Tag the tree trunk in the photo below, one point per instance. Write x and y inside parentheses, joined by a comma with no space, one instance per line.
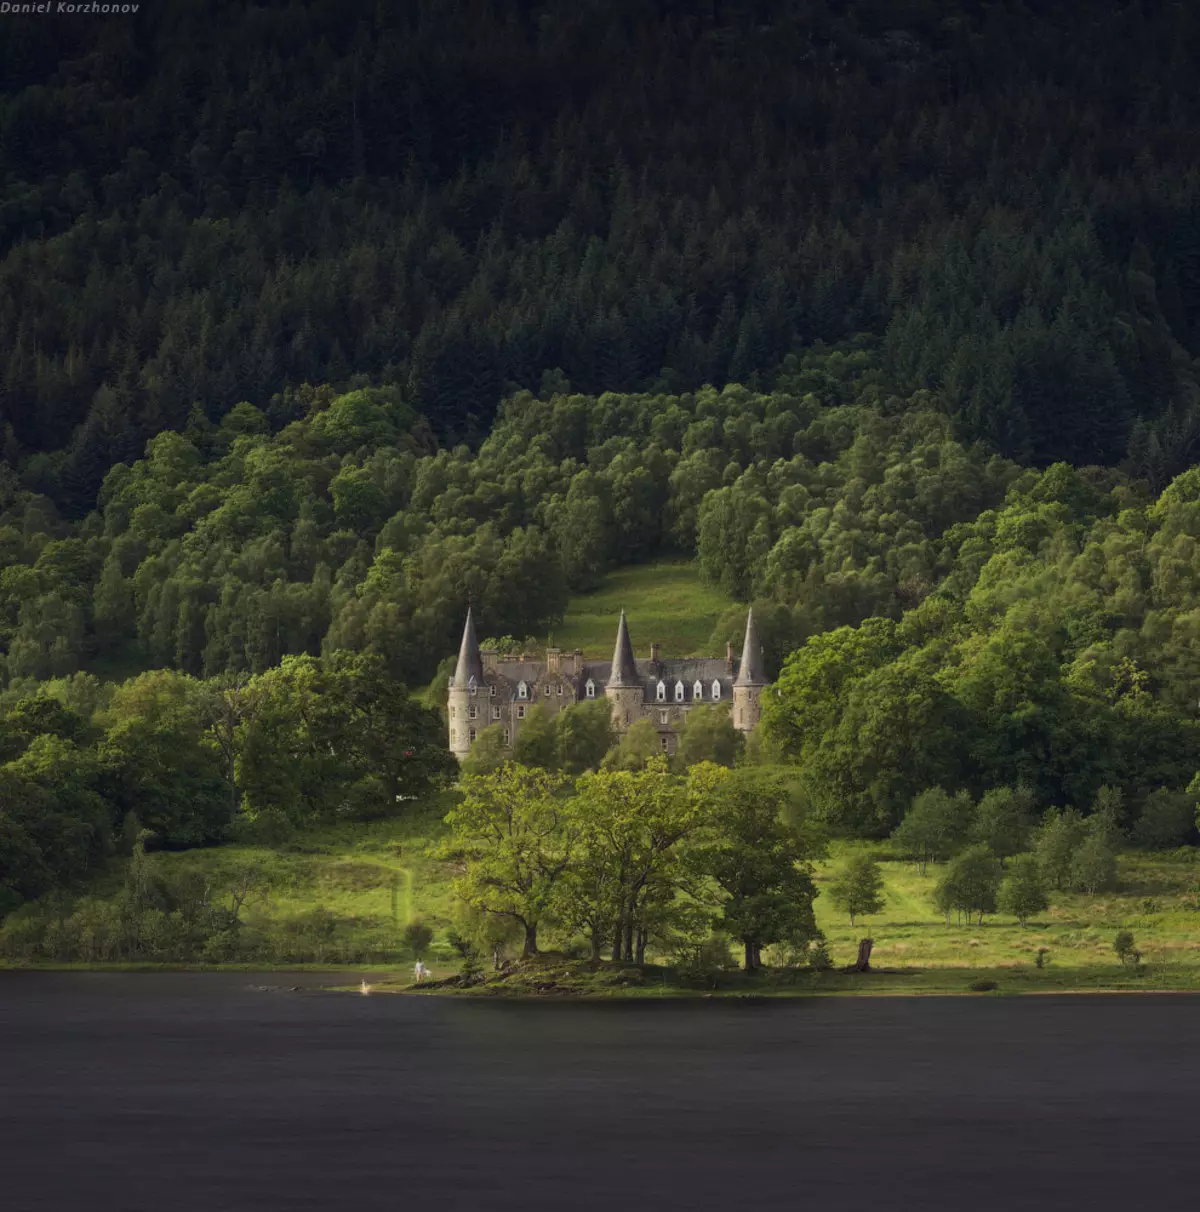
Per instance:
(748,963)
(530,947)
(863,963)
(627,949)
(641,948)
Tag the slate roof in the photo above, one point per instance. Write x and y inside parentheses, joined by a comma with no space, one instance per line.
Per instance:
(632,672)
(750,667)
(470,662)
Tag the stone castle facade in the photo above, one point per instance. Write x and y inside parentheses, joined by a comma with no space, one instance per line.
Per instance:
(488,689)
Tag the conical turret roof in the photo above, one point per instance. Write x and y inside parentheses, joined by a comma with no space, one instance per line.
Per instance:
(624,667)
(750,671)
(470,662)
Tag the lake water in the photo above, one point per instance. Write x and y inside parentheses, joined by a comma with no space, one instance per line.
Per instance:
(196,1091)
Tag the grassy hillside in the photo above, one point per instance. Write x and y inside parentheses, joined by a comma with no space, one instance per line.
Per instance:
(665,601)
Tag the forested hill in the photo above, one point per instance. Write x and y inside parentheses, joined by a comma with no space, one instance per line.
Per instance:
(215,201)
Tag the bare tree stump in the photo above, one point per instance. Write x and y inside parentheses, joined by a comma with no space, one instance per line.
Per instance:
(863,963)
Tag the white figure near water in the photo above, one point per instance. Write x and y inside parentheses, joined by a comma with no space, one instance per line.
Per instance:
(420,972)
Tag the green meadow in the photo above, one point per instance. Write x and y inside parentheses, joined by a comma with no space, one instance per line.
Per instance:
(1158,899)
(665,601)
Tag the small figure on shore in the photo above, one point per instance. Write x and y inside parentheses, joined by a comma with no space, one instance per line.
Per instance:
(420,971)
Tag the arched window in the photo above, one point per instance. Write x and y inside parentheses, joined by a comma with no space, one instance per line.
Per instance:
(522,691)
(661,693)
(591,689)
(698,691)
(679,692)
(716,690)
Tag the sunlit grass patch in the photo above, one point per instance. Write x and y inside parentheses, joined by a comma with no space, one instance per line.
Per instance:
(665,601)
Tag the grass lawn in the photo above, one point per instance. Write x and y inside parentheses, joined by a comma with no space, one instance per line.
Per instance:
(1159,901)
(665,602)
(372,879)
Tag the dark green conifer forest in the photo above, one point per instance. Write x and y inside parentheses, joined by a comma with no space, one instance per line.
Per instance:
(318,320)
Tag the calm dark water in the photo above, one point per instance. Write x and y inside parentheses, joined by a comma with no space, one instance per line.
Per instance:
(181,1092)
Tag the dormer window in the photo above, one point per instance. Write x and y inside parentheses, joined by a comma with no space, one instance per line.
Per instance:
(591,689)
(558,691)
(492,691)
(698,690)
(661,693)
(522,691)
(679,692)
(716,690)
(546,689)
(471,686)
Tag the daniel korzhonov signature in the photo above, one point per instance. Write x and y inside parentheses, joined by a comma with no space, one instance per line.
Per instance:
(61,6)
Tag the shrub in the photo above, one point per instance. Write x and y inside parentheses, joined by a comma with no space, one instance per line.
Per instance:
(983,986)
(417,937)
(703,960)
(1126,951)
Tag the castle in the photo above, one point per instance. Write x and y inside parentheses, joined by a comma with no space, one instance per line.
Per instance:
(488,689)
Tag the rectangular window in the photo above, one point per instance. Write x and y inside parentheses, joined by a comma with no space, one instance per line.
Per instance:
(473,712)
(507,737)
(546,690)
(495,713)
(492,691)
(452,713)
(520,711)
(662,717)
(472,736)
(453,736)
(664,744)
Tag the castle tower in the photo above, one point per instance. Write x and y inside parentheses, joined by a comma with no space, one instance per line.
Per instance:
(749,683)
(459,699)
(624,686)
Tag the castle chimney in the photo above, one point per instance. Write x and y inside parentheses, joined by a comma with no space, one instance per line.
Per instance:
(654,651)
(553,660)
(489,660)
(729,656)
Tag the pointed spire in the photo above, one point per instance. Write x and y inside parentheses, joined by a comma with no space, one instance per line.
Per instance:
(470,662)
(624,667)
(750,671)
